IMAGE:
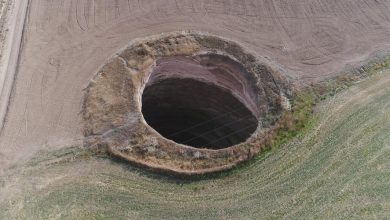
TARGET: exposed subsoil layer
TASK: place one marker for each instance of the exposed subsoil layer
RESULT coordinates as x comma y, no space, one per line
202,101
66,42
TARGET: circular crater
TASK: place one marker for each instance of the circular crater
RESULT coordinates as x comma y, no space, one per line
183,103
201,101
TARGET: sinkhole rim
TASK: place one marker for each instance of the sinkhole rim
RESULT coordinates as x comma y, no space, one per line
113,121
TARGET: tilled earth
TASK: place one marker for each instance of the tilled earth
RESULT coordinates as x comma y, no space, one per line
66,42
336,169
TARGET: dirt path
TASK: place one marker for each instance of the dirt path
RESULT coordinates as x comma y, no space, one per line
14,25
66,42
11,51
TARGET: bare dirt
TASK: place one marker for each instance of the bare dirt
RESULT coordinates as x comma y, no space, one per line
66,42
12,22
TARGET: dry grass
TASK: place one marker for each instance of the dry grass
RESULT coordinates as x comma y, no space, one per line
337,168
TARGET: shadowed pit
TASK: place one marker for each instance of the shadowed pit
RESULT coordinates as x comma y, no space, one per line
191,101
197,114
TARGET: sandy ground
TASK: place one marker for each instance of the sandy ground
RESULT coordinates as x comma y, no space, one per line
66,41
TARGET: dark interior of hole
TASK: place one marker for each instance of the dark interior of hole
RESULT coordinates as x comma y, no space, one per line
197,114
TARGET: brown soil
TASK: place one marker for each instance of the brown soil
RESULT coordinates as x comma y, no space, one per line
66,42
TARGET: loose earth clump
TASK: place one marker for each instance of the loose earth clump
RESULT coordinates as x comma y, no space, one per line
185,103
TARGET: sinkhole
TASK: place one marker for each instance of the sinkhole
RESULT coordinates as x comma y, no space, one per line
186,103
203,101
